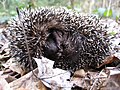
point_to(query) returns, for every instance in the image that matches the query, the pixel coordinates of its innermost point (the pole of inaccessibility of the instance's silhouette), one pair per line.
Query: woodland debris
(4, 84)
(28, 82)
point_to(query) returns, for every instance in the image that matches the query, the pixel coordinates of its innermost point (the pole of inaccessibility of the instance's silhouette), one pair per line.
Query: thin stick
(96, 80)
(27, 47)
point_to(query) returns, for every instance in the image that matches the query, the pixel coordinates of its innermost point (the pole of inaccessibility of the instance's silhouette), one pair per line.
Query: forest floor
(12, 75)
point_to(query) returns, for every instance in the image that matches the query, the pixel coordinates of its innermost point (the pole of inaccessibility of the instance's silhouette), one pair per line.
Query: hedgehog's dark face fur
(63, 46)
(52, 46)
(72, 40)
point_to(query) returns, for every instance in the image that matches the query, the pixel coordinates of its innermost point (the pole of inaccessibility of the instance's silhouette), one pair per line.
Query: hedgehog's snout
(53, 43)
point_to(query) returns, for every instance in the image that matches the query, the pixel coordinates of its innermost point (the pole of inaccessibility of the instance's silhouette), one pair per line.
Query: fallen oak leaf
(53, 78)
(108, 60)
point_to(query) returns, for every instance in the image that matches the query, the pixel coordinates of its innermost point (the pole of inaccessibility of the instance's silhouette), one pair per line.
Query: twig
(27, 47)
(52, 76)
(25, 38)
(96, 80)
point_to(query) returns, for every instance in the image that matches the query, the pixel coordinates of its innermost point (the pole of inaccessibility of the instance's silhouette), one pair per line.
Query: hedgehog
(71, 39)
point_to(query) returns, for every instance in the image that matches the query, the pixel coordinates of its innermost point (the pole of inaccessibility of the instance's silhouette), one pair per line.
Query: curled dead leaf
(108, 60)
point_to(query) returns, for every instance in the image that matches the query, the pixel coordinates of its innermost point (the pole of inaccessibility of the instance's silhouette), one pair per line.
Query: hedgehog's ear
(18, 12)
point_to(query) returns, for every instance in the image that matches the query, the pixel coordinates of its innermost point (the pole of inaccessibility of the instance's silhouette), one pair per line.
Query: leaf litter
(46, 77)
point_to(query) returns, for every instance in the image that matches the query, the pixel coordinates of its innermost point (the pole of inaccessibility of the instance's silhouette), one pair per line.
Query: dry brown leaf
(41, 86)
(28, 81)
(113, 83)
(91, 80)
(8, 78)
(14, 66)
(4, 84)
(108, 60)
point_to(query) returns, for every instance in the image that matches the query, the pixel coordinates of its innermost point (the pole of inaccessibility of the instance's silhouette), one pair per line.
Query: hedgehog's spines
(73, 39)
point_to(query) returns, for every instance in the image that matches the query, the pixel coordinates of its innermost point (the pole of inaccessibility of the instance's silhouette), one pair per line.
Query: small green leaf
(95, 11)
(69, 7)
(21, 6)
(117, 17)
(108, 13)
(112, 33)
